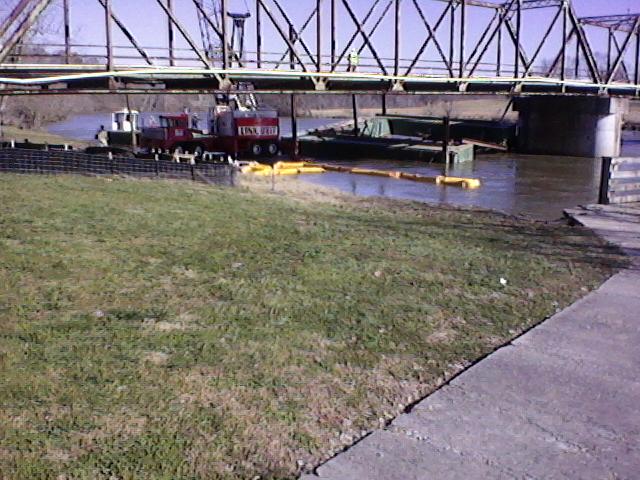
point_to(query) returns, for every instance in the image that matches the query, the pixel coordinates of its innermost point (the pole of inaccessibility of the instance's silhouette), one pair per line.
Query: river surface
(532, 185)
(537, 186)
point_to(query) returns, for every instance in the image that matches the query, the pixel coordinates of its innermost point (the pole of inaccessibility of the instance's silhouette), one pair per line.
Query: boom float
(296, 168)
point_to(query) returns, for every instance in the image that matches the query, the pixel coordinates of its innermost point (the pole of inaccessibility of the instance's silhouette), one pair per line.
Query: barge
(409, 138)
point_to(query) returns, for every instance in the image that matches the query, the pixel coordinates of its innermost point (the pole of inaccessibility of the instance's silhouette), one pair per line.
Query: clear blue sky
(146, 20)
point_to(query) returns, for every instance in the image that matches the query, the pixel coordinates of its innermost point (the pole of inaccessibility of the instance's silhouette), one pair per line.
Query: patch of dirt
(323, 408)
(13, 242)
(295, 187)
(57, 455)
(124, 425)
(169, 326)
(184, 321)
(6, 453)
(156, 358)
(16, 421)
(186, 272)
(444, 335)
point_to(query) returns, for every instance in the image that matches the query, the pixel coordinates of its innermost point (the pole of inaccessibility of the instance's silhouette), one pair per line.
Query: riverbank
(469, 107)
(487, 108)
(10, 132)
(178, 330)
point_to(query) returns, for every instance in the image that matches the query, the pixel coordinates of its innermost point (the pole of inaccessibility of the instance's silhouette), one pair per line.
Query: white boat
(124, 125)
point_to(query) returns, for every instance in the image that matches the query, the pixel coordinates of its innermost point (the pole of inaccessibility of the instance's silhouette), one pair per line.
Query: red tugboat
(237, 127)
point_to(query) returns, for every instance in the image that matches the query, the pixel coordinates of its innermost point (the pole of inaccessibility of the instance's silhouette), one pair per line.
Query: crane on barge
(238, 125)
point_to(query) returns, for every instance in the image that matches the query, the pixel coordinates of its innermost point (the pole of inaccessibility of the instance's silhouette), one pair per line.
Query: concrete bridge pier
(578, 126)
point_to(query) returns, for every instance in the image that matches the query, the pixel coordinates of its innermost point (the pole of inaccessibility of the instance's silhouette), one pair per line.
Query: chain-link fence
(18, 160)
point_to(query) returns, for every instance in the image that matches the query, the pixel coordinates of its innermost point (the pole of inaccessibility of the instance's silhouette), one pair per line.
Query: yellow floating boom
(295, 168)
(281, 168)
(414, 177)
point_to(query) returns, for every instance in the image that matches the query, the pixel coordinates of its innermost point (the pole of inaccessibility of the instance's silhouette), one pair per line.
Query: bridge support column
(570, 125)
(294, 127)
(354, 106)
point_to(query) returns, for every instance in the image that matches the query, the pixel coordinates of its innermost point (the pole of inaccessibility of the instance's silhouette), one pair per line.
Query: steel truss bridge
(286, 46)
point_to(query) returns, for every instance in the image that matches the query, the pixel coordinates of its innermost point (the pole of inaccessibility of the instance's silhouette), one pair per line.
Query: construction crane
(209, 18)
(208, 33)
(239, 106)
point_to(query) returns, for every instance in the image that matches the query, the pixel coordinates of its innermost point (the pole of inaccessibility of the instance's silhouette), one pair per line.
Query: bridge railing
(269, 60)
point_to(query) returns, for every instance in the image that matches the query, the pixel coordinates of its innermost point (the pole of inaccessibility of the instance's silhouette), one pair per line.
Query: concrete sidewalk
(560, 402)
(618, 224)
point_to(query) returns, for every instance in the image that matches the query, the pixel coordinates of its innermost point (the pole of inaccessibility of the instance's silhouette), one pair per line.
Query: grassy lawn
(177, 331)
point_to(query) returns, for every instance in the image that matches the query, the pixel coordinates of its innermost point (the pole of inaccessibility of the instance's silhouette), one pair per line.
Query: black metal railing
(52, 162)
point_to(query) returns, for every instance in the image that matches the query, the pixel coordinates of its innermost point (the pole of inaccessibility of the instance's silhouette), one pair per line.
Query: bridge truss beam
(629, 26)
(294, 57)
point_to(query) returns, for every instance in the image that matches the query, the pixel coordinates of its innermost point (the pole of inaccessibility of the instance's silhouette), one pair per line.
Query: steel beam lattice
(403, 46)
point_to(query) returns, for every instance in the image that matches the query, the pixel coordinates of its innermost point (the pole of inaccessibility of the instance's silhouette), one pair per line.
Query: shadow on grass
(499, 233)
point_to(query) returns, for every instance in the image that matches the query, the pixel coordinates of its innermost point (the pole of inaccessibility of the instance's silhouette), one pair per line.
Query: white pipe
(158, 72)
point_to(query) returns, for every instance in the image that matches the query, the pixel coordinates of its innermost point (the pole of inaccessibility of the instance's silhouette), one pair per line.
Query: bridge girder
(306, 62)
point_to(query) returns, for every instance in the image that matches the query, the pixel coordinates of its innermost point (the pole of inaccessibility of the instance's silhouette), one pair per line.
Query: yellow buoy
(311, 170)
(263, 172)
(458, 181)
(285, 165)
(471, 183)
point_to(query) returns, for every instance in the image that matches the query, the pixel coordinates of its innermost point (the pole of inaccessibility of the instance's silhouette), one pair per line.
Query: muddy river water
(537, 186)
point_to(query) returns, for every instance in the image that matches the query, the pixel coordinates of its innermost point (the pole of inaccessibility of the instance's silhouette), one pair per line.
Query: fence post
(156, 165)
(111, 163)
(193, 172)
(605, 179)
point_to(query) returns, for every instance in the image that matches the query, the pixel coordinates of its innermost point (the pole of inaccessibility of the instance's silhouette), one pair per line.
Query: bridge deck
(43, 78)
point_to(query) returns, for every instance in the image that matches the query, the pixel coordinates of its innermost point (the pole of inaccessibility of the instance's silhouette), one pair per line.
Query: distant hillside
(36, 111)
